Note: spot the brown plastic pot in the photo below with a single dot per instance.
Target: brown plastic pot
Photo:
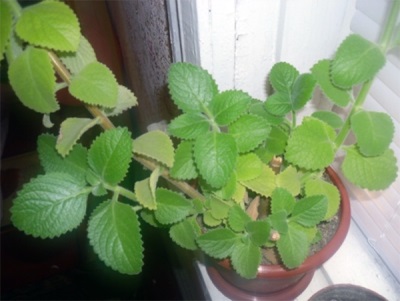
(273, 282)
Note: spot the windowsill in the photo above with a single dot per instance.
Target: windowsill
(354, 263)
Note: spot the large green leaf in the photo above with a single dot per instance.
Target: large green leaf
(249, 132)
(310, 210)
(95, 84)
(6, 20)
(311, 144)
(227, 106)
(184, 167)
(245, 259)
(155, 145)
(185, 233)
(114, 233)
(374, 132)
(33, 80)
(264, 184)
(171, 206)
(49, 24)
(215, 155)
(283, 76)
(218, 243)
(76, 61)
(191, 87)
(189, 126)
(374, 173)
(50, 205)
(110, 155)
(330, 191)
(356, 61)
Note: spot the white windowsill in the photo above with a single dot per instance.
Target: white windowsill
(354, 263)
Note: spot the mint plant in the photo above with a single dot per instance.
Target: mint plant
(256, 174)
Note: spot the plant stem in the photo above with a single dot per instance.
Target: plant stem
(386, 37)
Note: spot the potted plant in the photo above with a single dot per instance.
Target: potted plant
(249, 182)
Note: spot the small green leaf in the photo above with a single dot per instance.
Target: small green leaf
(185, 233)
(6, 20)
(245, 259)
(374, 173)
(71, 130)
(258, 232)
(218, 243)
(302, 91)
(191, 87)
(263, 184)
(110, 155)
(310, 210)
(189, 126)
(49, 24)
(215, 155)
(249, 132)
(356, 61)
(209, 220)
(374, 132)
(283, 76)
(75, 164)
(171, 206)
(330, 191)
(238, 218)
(279, 103)
(312, 145)
(219, 209)
(32, 78)
(276, 141)
(184, 167)
(321, 73)
(248, 167)
(290, 180)
(282, 199)
(144, 194)
(331, 118)
(50, 205)
(83, 56)
(279, 221)
(114, 233)
(95, 84)
(155, 145)
(228, 190)
(126, 100)
(228, 106)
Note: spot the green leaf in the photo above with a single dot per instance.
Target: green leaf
(330, 191)
(126, 100)
(114, 233)
(49, 24)
(188, 126)
(282, 199)
(290, 180)
(171, 206)
(50, 205)
(32, 78)
(83, 56)
(331, 118)
(191, 87)
(155, 145)
(357, 60)
(95, 84)
(310, 210)
(144, 194)
(263, 184)
(374, 132)
(279, 221)
(312, 145)
(283, 76)
(321, 72)
(238, 218)
(258, 232)
(75, 164)
(279, 103)
(249, 167)
(228, 190)
(245, 259)
(218, 243)
(215, 155)
(293, 246)
(6, 20)
(209, 220)
(373, 173)
(110, 155)
(184, 167)
(302, 91)
(227, 106)
(219, 209)
(276, 141)
(249, 132)
(71, 130)
(258, 108)
(185, 233)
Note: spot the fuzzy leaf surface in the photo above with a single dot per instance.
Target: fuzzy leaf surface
(373, 173)
(310, 210)
(144, 194)
(245, 259)
(188, 126)
(171, 206)
(282, 199)
(320, 187)
(71, 130)
(32, 78)
(311, 145)
(6, 19)
(219, 208)
(249, 132)
(263, 184)
(218, 243)
(238, 218)
(191, 87)
(215, 155)
(249, 166)
(258, 232)
(155, 145)
(279, 103)
(184, 167)
(49, 24)
(279, 221)
(283, 76)
(110, 155)
(114, 233)
(77, 60)
(185, 233)
(126, 100)
(302, 91)
(374, 132)
(95, 84)
(276, 141)
(330, 118)
(50, 205)
(289, 179)
(321, 72)
(356, 61)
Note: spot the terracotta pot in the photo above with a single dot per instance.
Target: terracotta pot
(273, 282)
